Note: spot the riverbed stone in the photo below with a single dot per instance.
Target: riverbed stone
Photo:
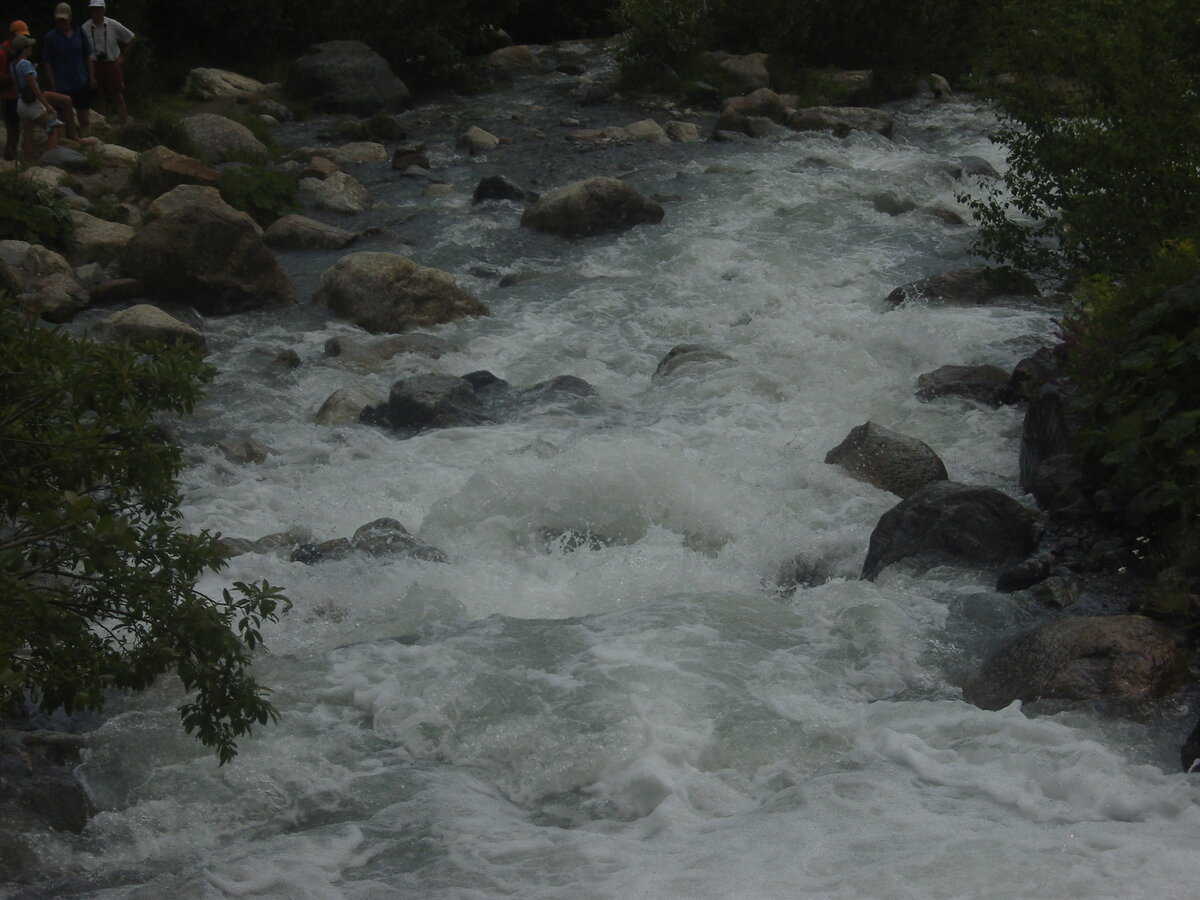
(476, 140)
(1083, 658)
(219, 84)
(194, 195)
(689, 356)
(358, 152)
(145, 322)
(763, 103)
(345, 76)
(160, 169)
(589, 207)
(389, 293)
(414, 343)
(297, 232)
(967, 286)
(988, 385)
(842, 120)
(426, 401)
(947, 521)
(888, 460)
(96, 240)
(209, 258)
(244, 451)
(515, 58)
(498, 187)
(345, 406)
(388, 537)
(56, 298)
(219, 139)
(339, 193)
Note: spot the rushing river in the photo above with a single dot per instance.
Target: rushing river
(605, 693)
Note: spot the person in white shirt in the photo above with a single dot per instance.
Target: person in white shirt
(111, 43)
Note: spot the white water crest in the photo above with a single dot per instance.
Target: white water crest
(605, 693)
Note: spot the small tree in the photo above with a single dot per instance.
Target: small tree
(97, 581)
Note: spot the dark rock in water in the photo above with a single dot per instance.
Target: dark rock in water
(1032, 373)
(410, 155)
(1045, 433)
(953, 522)
(1190, 754)
(984, 384)
(387, 537)
(561, 386)
(1058, 485)
(38, 789)
(428, 401)
(969, 286)
(892, 203)
(326, 551)
(415, 344)
(287, 359)
(592, 206)
(888, 460)
(244, 450)
(497, 187)
(1083, 658)
(212, 259)
(687, 355)
(283, 541)
(943, 215)
(1026, 573)
(802, 572)
(977, 167)
(842, 120)
(345, 76)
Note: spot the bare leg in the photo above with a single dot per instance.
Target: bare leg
(66, 111)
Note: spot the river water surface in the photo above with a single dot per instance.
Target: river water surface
(605, 693)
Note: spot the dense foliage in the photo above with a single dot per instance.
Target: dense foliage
(97, 580)
(33, 213)
(1102, 131)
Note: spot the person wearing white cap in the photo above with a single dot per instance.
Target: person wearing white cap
(111, 43)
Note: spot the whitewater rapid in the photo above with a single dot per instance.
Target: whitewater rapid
(605, 693)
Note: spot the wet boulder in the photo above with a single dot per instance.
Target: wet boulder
(38, 790)
(345, 406)
(593, 206)
(149, 323)
(476, 140)
(209, 258)
(888, 460)
(514, 58)
(1045, 433)
(951, 522)
(748, 71)
(218, 84)
(988, 385)
(842, 120)
(1083, 658)
(219, 139)
(192, 195)
(243, 450)
(428, 401)
(339, 193)
(414, 344)
(345, 76)
(96, 240)
(968, 286)
(689, 356)
(387, 537)
(388, 293)
(763, 103)
(497, 187)
(56, 298)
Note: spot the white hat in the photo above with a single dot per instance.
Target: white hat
(62, 11)
(94, 3)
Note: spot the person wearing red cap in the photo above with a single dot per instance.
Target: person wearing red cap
(111, 43)
(8, 90)
(33, 106)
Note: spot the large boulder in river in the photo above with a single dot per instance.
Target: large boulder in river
(989, 385)
(946, 521)
(592, 206)
(209, 258)
(219, 139)
(388, 293)
(842, 120)
(888, 460)
(160, 169)
(737, 111)
(1083, 658)
(218, 84)
(345, 76)
(145, 322)
(96, 240)
(296, 232)
(968, 286)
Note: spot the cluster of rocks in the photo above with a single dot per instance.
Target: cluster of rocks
(380, 538)
(1051, 553)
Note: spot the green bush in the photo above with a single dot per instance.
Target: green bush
(264, 194)
(157, 127)
(96, 575)
(1134, 367)
(33, 214)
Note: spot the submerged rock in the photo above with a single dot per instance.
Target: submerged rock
(888, 460)
(969, 286)
(1083, 658)
(984, 384)
(686, 356)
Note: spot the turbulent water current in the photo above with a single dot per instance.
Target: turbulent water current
(605, 692)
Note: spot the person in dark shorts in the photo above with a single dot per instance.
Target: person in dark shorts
(67, 53)
(111, 43)
(8, 90)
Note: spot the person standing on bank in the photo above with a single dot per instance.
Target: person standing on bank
(111, 43)
(67, 53)
(8, 90)
(33, 106)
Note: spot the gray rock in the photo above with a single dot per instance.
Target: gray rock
(888, 460)
(476, 140)
(345, 406)
(283, 541)
(213, 260)
(296, 232)
(497, 187)
(244, 450)
(415, 344)
(339, 192)
(219, 139)
(590, 207)
(1083, 658)
(149, 323)
(689, 356)
(842, 120)
(217, 84)
(64, 158)
(387, 537)
(160, 169)
(97, 240)
(984, 384)
(385, 292)
(948, 521)
(346, 76)
(428, 401)
(56, 298)
(969, 286)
